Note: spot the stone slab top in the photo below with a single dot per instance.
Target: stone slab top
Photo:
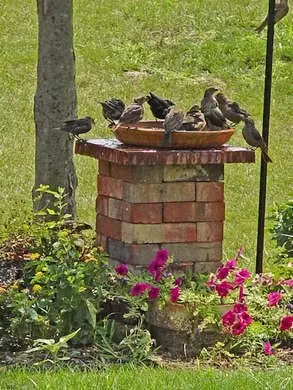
(114, 151)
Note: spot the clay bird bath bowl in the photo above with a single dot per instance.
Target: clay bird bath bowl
(151, 134)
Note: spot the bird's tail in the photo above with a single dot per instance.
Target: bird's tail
(265, 155)
(261, 26)
(167, 138)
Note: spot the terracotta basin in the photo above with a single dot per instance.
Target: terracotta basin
(151, 134)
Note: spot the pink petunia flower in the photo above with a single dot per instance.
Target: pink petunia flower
(238, 328)
(245, 318)
(174, 294)
(241, 276)
(222, 272)
(139, 288)
(273, 298)
(287, 282)
(157, 265)
(239, 308)
(211, 283)
(241, 294)
(267, 348)
(154, 292)
(121, 269)
(178, 281)
(239, 253)
(231, 264)
(286, 323)
(224, 288)
(228, 318)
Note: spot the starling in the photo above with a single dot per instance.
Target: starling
(158, 106)
(173, 121)
(112, 110)
(77, 126)
(231, 110)
(133, 112)
(209, 101)
(281, 10)
(193, 120)
(253, 138)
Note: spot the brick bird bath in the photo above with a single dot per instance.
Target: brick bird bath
(152, 198)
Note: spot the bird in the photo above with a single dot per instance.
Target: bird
(193, 120)
(158, 106)
(281, 10)
(254, 139)
(231, 110)
(214, 117)
(77, 126)
(112, 110)
(209, 101)
(134, 111)
(173, 121)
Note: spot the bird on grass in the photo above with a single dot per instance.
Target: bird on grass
(214, 117)
(254, 139)
(231, 110)
(193, 120)
(158, 106)
(77, 126)
(173, 121)
(133, 112)
(112, 110)
(281, 10)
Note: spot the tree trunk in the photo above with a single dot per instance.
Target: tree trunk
(55, 101)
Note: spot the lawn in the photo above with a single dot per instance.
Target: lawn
(152, 379)
(178, 48)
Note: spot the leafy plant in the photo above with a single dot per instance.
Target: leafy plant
(282, 229)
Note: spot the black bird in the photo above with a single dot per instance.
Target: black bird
(133, 112)
(253, 138)
(193, 120)
(231, 110)
(77, 126)
(158, 106)
(112, 110)
(281, 10)
(173, 121)
(213, 115)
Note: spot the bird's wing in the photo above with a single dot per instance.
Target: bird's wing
(131, 113)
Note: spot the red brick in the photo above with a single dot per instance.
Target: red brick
(179, 212)
(122, 172)
(209, 192)
(142, 212)
(102, 205)
(209, 231)
(115, 208)
(195, 252)
(209, 211)
(108, 186)
(109, 227)
(179, 232)
(156, 193)
(104, 168)
(101, 240)
(137, 174)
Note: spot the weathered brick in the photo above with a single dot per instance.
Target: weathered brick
(102, 205)
(115, 209)
(104, 168)
(101, 240)
(212, 172)
(137, 174)
(209, 211)
(195, 252)
(179, 212)
(109, 227)
(108, 186)
(210, 192)
(179, 232)
(156, 193)
(142, 212)
(209, 231)
(193, 267)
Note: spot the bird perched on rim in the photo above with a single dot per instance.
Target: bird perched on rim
(231, 110)
(193, 120)
(214, 117)
(173, 121)
(77, 126)
(134, 111)
(158, 106)
(112, 110)
(253, 138)
(281, 10)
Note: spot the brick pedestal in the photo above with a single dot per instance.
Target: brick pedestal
(161, 198)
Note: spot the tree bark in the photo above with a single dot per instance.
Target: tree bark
(55, 101)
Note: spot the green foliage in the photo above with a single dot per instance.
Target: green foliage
(282, 229)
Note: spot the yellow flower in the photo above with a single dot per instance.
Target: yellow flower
(81, 289)
(2, 290)
(37, 289)
(34, 256)
(39, 275)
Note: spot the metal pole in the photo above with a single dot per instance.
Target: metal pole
(265, 134)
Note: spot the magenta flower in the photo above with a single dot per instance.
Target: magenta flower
(239, 253)
(239, 308)
(222, 272)
(162, 256)
(287, 282)
(178, 281)
(174, 294)
(154, 292)
(139, 288)
(157, 265)
(228, 318)
(238, 328)
(211, 283)
(224, 288)
(121, 269)
(267, 348)
(241, 276)
(231, 264)
(241, 294)
(245, 318)
(286, 323)
(274, 298)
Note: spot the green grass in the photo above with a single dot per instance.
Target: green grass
(182, 46)
(148, 378)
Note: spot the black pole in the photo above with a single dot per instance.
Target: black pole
(265, 134)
